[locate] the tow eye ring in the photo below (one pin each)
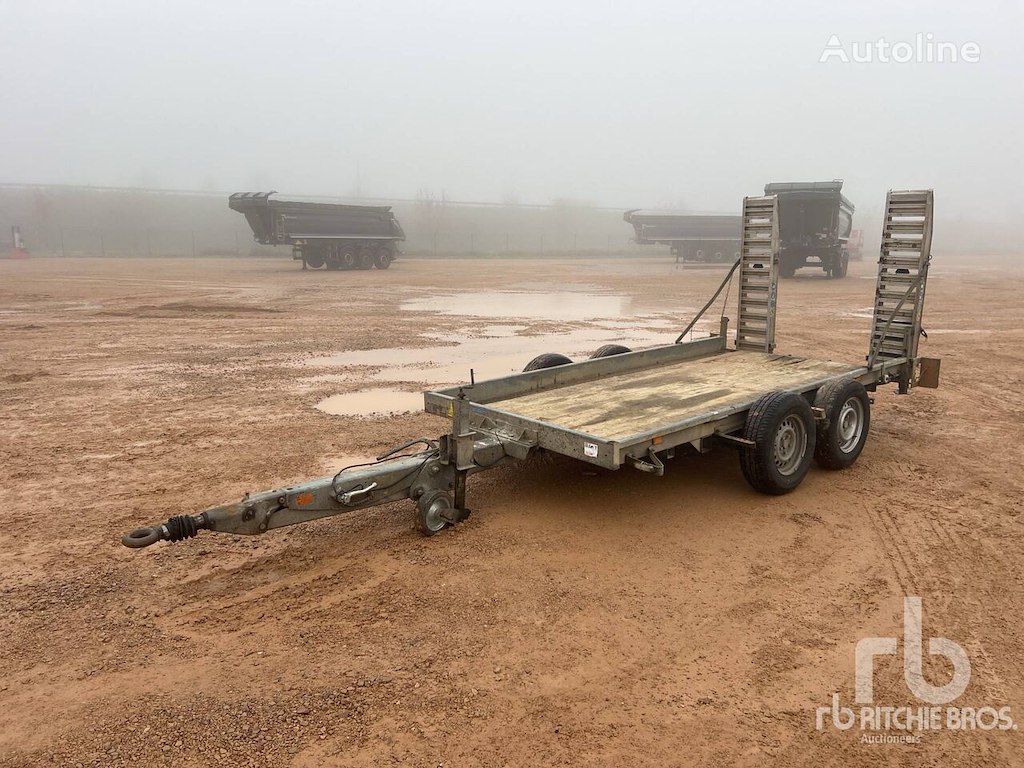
(175, 529)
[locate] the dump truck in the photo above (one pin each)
(815, 221)
(635, 408)
(855, 245)
(323, 235)
(691, 237)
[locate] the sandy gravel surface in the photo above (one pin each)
(577, 618)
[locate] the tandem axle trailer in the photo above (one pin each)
(632, 408)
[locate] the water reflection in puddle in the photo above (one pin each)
(863, 312)
(491, 351)
(561, 305)
(491, 356)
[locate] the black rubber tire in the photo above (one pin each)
(832, 399)
(764, 419)
(608, 350)
(314, 260)
(428, 508)
(547, 360)
(383, 258)
(347, 257)
(787, 270)
(837, 269)
(366, 257)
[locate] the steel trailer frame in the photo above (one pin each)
(490, 425)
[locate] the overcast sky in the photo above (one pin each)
(632, 104)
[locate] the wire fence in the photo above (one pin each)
(96, 222)
(155, 242)
(91, 241)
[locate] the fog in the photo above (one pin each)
(642, 104)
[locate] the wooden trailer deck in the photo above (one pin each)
(616, 407)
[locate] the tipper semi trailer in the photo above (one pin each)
(635, 408)
(691, 237)
(328, 235)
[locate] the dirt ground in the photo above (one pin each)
(577, 618)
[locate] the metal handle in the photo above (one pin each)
(349, 496)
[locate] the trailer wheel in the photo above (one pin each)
(347, 257)
(313, 260)
(366, 257)
(610, 349)
(547, 360)
(781, 425)
(844, 430)
(433, 510)
(383, 258)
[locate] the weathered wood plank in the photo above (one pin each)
(617, 407)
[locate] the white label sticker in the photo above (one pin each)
(590, 449)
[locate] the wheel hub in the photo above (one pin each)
(790, 445)
(436, 510)
(850, 424)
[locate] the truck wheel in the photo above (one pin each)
(608, 350)
(433, 510)
(838, 267)
(787, 270)
(844, 430)
(313, 260)
(347, 257)
(366, 257)
(781, 425)
(547, 360)
(383, 258)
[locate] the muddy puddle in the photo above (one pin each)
(500, 353)
(372, 403)
(533, 305)
(493, 351)
(863, 312)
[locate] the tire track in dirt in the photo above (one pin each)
(601, 619)
(908, 542)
